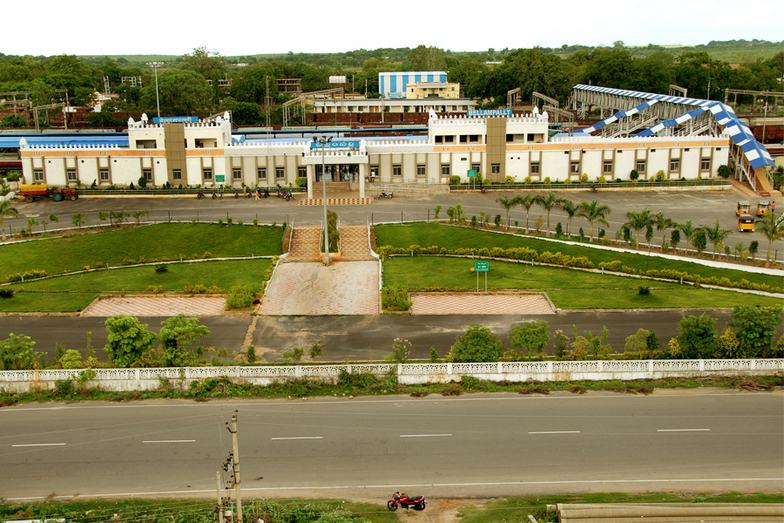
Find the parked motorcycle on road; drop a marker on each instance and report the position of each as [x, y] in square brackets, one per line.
[199, 195]
[387, 195]
[401, 499]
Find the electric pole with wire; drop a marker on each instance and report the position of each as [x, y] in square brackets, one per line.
[232, 466]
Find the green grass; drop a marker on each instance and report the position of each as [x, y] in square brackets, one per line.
[518, 508]
[567, 289]
[76, 291]
[427, 234]
[181, 510]
[139, 244]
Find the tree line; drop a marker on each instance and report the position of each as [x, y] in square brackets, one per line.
[184, 85]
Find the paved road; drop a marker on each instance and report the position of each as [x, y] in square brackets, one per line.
[481, 445]
[352, 337]
[700, 207]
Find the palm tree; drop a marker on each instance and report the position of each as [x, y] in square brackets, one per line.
[526, 201]
[570, 209]
[716, 235]
[662, 224]
[688, 230]
[507, 203]
[549, 202]
[593, 212]
[638, 220]
[772, 227]
[7, 209]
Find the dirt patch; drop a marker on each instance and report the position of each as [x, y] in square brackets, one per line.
[438, 511]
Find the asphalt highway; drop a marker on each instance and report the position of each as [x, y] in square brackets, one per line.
[477, 445]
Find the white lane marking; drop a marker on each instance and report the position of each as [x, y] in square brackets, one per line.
[301, 437]
[170, 441]
[683, 430]
[423, 485]
[557, 432]
[40, 445]
[425, 435]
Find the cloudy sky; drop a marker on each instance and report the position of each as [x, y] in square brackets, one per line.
[275, 26]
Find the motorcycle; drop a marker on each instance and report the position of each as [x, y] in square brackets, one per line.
[199, 195]
[236, 194]
[401, 499]
[594, 188]
[387, 195]
[214, 195]
[288, 196]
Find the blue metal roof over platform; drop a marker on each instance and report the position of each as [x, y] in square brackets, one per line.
[11, 141]
[755, 152]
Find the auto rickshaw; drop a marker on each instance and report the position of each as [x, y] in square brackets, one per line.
[746, 223]
[763, 208]
[744, 207]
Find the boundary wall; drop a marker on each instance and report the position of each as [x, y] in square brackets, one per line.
[148, 379]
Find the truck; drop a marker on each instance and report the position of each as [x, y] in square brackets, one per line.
[38, 191]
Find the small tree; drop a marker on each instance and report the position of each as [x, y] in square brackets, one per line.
[756, 329]
[637, 342]
[177, 335]
[401, 351]
[79, 219]
[438, 210]
[7, 210]
[17, 353]
[72, 359]
[675, 239]
[772, 227]
[316, 350]
[532, 336]
[753, 248]
[697, 337]
[137, 215]
[724, 171]
[727, 345]
[699, 242]
[142, 182]
[507, 202]
[478, 344]
[634, 175]
[119, 217]
[128, 340]
[103, 216]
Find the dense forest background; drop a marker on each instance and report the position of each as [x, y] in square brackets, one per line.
[486, 76]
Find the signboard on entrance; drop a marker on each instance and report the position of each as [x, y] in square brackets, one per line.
[482, 266]
[337, 144]
[490, 112]
[175, 119]
[220, 178]
[472, 173]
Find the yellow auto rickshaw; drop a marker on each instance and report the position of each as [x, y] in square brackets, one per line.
[744, 207]
[763, 208]
[746, 223]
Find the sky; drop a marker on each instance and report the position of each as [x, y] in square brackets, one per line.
[272, 26]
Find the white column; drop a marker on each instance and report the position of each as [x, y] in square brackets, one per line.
[310, 181]
[362, 174]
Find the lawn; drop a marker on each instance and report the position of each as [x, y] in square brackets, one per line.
[567, 289]
[518, 508]
[139, 244]
[74, 292]
[450, 237]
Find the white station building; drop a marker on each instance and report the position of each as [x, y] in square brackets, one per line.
[497, 143]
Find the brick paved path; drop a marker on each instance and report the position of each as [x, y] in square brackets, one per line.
[305, 244]
[354, 243]
[469, 303]
[157, 306]
[310, 289]
[336, 201]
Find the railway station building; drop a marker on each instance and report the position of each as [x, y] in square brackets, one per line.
[499, 144]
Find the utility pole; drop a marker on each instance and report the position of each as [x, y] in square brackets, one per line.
[236, 463]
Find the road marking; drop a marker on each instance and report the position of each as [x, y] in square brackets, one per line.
[425, 435]
[301, 437]
[776, 481]
[683, 430]
[557, 432]
[171, 441]
[40, 445]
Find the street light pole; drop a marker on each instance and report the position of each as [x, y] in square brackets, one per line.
[323, 142]
[155, 66]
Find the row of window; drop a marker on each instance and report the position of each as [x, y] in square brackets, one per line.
[397, 170]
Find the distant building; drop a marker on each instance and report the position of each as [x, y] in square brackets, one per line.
[394, 84]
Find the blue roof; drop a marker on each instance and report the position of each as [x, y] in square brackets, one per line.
[11, 141]
[755, 152]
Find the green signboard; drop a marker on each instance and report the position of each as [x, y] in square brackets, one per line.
[220, 178]
[482, 266]
[472, 173]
